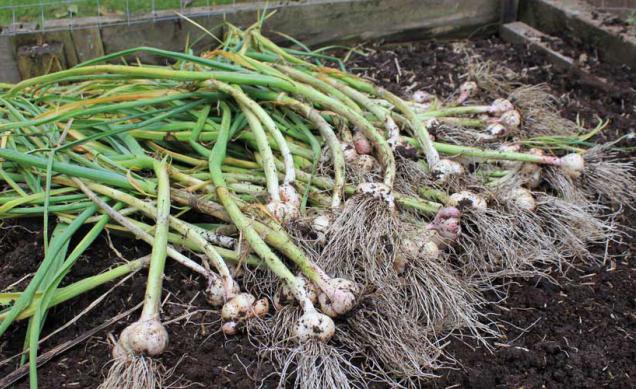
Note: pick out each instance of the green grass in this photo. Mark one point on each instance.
(32, 11)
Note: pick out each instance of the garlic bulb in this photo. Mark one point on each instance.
(467, 199)
(238, 307)
(572, 165)
(143, 337)
(314, 325)
(339, 297)
(445, 169)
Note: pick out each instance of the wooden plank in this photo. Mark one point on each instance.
(39, 59)
(51, 37)
(88, 43)
(324, 21)
(519, 32)
(314, 22)
(509, 11)
(168, 34)
(577, 20)
(8, 64)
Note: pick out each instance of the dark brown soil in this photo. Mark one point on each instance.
(578, 334)
(200, 353)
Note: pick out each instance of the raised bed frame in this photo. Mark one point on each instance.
(27, 50)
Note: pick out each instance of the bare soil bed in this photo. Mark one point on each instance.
(579, 333)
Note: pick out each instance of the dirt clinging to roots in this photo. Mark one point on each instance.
(580, 333)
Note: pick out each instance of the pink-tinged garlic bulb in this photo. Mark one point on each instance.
(230, 328)
(361, 143)
(447, 224)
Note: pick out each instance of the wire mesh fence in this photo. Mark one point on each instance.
(47, 15)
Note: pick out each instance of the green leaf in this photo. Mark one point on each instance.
(72, 10)
(60, 13)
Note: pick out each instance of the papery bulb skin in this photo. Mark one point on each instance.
(230, 328)
(144, 337)
(422, 97)
(350, 153)
(511, 120)
(500, 106)
(288, 207)
(445, 169)
(467, 199)
(237, 308)
(430, 250)
(411, 247)
(119, 352)
(361, 143)
(466, 90)
(321, 223)
(393, 133)
(496, 130)
(339, 298)
(447, 223)
(509, 147)
(531, 172)
(314, 326)
(378, 191)
(365, 163)
(284, 296)
(260, 308)
(514, 147)
(522, 198)
(400, 264)
(215, 291)
(572, 165)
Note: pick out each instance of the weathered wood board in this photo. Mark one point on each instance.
(519, 32)
(314, 22)
(36, 59)
(577, 20)
(88, 43)
(8, 64)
